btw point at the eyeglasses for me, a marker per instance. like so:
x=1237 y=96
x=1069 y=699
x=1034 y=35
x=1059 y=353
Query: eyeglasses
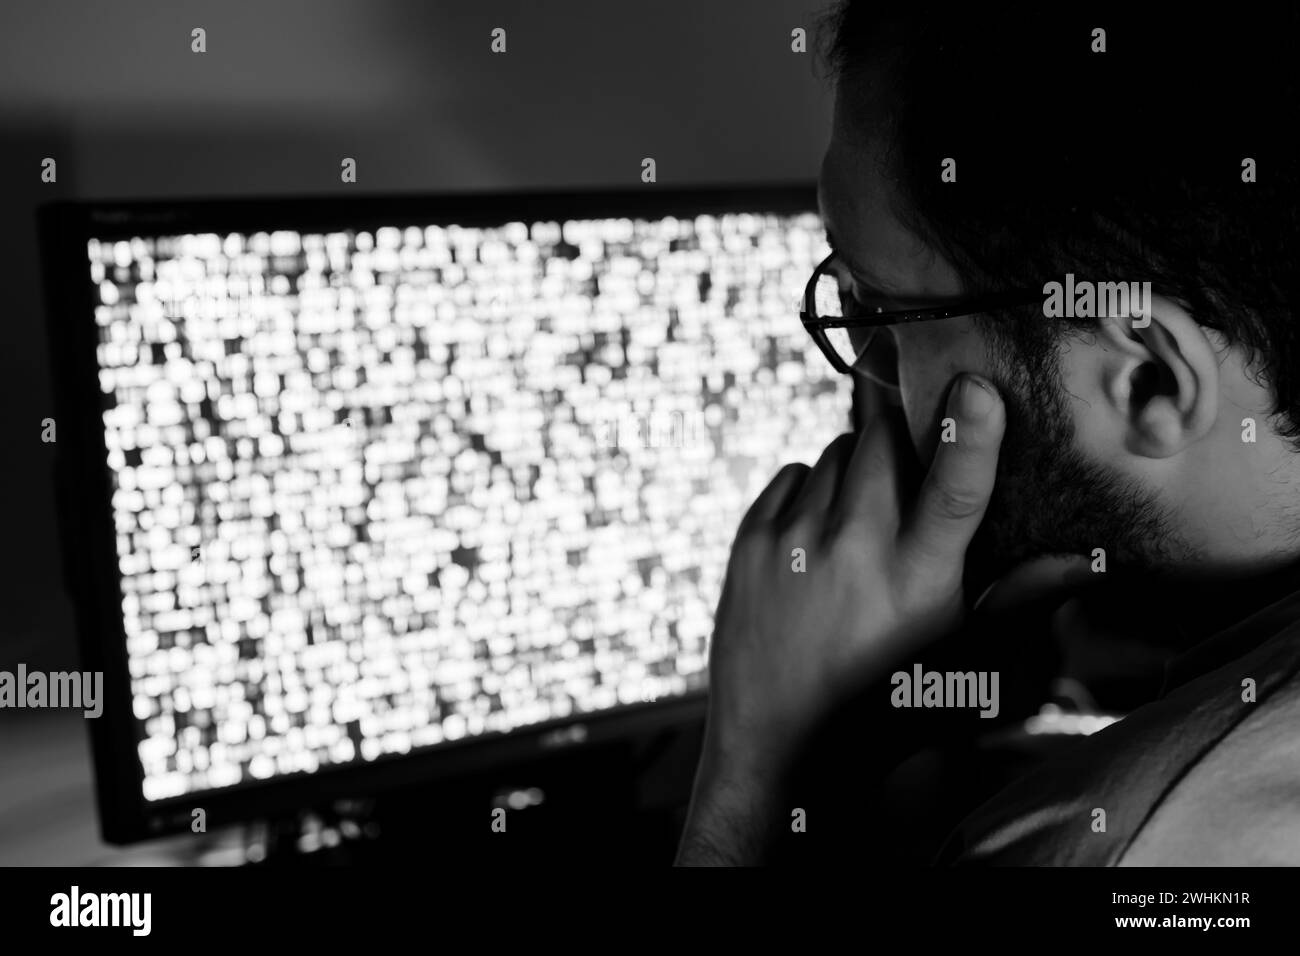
x=843 y=324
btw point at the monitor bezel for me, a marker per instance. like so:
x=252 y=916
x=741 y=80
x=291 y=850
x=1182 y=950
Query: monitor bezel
x=84 y=486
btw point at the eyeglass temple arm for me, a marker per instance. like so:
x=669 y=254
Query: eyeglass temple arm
x=966 y=307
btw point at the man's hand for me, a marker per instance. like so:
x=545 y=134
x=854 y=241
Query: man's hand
x=882 y=579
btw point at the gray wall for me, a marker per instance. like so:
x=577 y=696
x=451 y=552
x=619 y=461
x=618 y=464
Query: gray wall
x=709 y=88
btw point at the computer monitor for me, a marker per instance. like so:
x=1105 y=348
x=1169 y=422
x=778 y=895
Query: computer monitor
x=368 y=490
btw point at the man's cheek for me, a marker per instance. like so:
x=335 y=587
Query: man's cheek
x=923 y=404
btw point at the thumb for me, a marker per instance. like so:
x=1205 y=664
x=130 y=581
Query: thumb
x=1051 y=577
x=956 y=492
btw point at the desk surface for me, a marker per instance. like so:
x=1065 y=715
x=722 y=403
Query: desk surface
x=47 y=799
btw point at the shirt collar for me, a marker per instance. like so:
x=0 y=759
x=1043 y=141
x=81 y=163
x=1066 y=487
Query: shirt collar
x=1256 y=610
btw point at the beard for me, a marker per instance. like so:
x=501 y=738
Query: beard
x=1049 y=499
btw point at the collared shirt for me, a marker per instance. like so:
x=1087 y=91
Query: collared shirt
x=1207 y=774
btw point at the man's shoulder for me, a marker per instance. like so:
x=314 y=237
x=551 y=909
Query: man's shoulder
x=1207 y=774
x=1239 y=805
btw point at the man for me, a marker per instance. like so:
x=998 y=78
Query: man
x=1025 y=454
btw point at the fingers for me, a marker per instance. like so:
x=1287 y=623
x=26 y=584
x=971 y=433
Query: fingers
x=798 y=488
x=859 y=475
x=871 y=477
x=779 y=492
x=823 y=482
x=956 y=491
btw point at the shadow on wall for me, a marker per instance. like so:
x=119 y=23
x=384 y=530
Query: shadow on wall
x=36 y=623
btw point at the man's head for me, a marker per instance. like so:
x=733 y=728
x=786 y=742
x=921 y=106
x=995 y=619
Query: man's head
x=1117 y=166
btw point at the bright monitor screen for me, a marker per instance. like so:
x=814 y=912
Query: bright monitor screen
x=378 y=491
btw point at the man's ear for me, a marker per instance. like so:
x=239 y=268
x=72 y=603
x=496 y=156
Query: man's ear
x=1163 y=377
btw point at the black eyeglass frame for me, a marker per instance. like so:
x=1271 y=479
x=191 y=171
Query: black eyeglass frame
x=817 y=326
